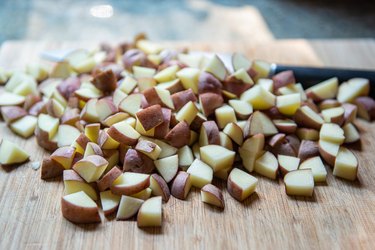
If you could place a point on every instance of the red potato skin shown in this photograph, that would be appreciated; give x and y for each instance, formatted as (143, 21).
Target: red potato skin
(130, 190)
(71, 175)
(179, 184)
(162, 129)
(106, 181)
(273, 113)
(145, 146)
(210, 102)
(70, 117)
(179, 136)
(133, 57)
(78, 214)
(137, 162)
(181, 98)
(212, 132)
(69, 86)
(287, 129)
(120, 137)
(106, 81)
(283, 78)
(196, 124)
(50, 169)
(163, 186)
(366, 107)
(276, 139)
(116, 69)
(234, 190)
(152, 97)
(30, 100)
(82, 140)
(207, 83)
(42, 139)
(12, 113)
(150, 117)
(311, 104)
(235, 86)
(209, 188)
(304, 121)
(308, 149)
(350, 113)
(38, 108)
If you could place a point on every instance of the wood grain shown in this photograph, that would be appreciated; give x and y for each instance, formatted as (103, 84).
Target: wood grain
(341, 214)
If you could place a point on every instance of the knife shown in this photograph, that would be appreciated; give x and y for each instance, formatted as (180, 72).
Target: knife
(308, 76)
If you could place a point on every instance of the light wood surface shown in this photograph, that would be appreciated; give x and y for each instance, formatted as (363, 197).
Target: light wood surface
(341, 214)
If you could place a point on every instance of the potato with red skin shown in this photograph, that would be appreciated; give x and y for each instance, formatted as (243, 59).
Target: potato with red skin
(215, 193)
(350, 113)
(105, 81)
(137, 162)
(106, 181)
(42, 139)
(12, 113)
(196, 124)
(79, 213)
(366, 107)
(163, 128)
(150, 117)
(209, 84)
(30, 100)
(276, 139)
(235, 86)
(209, 134)
(50, 169)
(179, 136)
(283, 78)
(67, 87)
(159, 187)
(181, 98)
(209, 102)
(133, 57)
(308, 149)
(70, 116)
(181, 185)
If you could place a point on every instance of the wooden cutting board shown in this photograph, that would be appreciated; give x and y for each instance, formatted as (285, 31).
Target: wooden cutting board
(340, 215)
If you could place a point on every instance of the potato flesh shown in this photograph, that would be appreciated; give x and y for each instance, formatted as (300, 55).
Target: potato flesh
(288, 104)
(66, 135)
(109, 201)
(288, 163)
(317, 167)
(167, 167)
(88, 171)
(351, 133)
(245, 181)
(140, 129)
(250, 150)
(127, 130)
(24, 126)
(225, 115)
(188, 112)
(71, 187)
(143, 195)
(234, 132)
(312, 114)
(128, 179)
(167, 74)
(210, 199)
(10, 153)
(128, 207)
(217, 157)
(326, 89)
(150, 213)
(189, 78)
(332, 132)
(267, 165)
(346, 165)
(259, 98)
(48, 124)
(216, 67)
(200, 173)
(185, 157)
(241, 107)
(80, 199)
(299, 182)
(330, 113)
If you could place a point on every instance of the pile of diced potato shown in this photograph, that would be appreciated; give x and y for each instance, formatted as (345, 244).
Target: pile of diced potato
(133, 124)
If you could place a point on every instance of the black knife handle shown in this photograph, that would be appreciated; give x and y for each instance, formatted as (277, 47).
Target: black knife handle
(309, 76)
